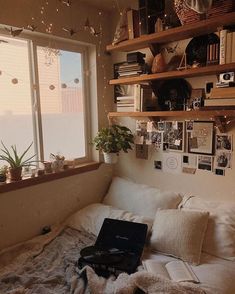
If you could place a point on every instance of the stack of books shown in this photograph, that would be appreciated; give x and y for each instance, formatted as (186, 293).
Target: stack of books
(141, 100)
(221, 97)
(132, 69)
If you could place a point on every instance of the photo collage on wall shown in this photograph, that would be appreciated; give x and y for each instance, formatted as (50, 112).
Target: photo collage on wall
(187, 146)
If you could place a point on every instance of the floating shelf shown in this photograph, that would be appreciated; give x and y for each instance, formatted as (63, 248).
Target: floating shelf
(184, 114)
(175, 34)
(187, 73)
(221, 117)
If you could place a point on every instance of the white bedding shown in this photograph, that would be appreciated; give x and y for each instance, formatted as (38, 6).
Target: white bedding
(215, 274)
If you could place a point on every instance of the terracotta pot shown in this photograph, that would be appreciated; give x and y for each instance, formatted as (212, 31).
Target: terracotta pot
(15, 173)
(110, 158)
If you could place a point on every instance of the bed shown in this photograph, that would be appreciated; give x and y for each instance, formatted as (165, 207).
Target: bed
(48, 263)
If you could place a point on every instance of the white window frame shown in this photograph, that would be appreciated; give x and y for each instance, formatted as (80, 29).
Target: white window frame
(39, 39)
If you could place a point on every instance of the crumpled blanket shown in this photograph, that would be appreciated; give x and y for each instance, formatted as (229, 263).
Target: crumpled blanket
(47, 265)
(128, 284)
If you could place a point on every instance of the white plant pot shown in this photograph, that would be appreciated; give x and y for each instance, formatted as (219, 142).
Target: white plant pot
(110, 158)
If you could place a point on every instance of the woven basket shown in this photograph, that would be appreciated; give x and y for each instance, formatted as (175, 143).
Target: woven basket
(187, 15)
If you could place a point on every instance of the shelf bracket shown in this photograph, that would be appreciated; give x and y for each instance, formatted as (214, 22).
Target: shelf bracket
(221, 123)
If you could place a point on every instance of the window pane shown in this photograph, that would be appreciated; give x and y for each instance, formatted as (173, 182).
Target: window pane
(61, 96)
(16, 127)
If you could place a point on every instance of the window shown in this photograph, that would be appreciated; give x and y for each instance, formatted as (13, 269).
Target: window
(42, 97)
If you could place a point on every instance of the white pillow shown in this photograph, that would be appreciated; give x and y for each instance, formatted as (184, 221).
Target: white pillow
(220, 234)
(139, 199)
(91, 217)
(179, 233)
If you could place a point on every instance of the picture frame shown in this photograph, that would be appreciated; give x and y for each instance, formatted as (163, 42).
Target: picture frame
(201, 138)
(174, 136)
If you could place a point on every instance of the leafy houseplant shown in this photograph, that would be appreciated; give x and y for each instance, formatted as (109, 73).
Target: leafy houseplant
(113, 139)
(15, 160)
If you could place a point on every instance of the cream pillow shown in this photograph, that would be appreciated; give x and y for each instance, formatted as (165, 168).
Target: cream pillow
(91, 217)
(139, 199)
(179, 233)
(220, 234)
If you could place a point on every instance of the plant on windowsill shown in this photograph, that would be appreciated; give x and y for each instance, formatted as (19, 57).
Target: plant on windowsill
(113, 139)
(16, 161)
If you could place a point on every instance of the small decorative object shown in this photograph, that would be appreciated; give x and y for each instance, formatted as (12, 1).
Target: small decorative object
(159, 64)
(16, 161)
(3, 173)
(70, 31)
(174, 62)
(112, 140)
(196, 98)
(47, 167)
(158, 26)
(121, 32)
(57, 162)
(183, 62)
(201, 139)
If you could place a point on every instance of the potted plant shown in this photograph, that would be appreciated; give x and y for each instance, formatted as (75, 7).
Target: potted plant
(3, 173)
(15, 161)
(111, 140)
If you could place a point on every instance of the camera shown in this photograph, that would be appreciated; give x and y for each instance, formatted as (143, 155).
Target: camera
(226, 77)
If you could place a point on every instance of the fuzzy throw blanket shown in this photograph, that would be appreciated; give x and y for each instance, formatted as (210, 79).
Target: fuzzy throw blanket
(128, 284)
(47, 265)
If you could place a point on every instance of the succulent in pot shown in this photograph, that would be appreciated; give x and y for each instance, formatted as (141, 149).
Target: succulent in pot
(113, 139)
(16, 161)
(3, 173)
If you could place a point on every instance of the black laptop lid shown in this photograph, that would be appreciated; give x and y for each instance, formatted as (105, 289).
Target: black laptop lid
(122, 235)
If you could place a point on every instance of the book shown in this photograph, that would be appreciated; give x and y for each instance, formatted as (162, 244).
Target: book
(223, 38)
(176, 270)
(137, 97)
(228, 54)
(133, 23)
(220, 102)
(233, 48)
(221, 93)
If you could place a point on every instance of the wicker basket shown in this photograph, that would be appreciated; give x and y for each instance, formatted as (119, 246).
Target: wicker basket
(187, 15)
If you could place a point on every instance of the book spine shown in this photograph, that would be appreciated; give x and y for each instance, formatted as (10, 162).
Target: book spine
(228, 54)
(223, 37)
(219, 102)
(233, 48)
(137, 98)
(130, 24)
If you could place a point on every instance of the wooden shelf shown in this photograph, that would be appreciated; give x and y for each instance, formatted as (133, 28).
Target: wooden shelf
(184, 114)
(175, 34)
(187, 73)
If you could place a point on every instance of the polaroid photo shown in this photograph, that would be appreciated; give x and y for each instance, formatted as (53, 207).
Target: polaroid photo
(205, 162)
(189, 126)
(174, 137)
(224, 142)
(223, 160)
(161, 126)
(158, 164)
(189, 160)
(219, 172)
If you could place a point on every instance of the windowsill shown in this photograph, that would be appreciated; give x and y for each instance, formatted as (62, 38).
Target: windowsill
(82, 168)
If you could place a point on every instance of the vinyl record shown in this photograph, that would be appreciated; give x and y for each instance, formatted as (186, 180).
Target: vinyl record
(173, 94)
(93, 254)
(196, 51)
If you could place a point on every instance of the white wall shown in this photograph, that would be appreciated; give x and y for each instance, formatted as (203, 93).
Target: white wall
(24, 212)
(204, 184)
